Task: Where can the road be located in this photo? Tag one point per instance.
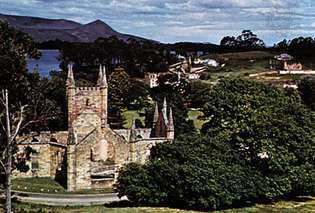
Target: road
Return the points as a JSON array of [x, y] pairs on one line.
[[67, 199]]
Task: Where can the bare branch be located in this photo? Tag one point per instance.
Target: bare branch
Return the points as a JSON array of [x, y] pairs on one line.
[[2, 125], [2, 165], [41, 119], [18, 126], [2, 101]]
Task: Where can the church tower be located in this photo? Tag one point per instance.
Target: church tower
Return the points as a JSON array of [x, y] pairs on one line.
[[87, 106], [87, 121]]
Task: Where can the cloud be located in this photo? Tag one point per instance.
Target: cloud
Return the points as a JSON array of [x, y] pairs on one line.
[[178, 20]]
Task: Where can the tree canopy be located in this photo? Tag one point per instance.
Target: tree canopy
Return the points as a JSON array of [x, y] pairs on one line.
[[246, 40], [258, 145], [307, 91]]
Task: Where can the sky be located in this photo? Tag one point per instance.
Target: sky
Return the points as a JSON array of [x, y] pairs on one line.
[[181, 20]]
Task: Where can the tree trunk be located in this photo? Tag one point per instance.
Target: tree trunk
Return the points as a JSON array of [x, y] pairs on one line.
[[8, 156], [8, 204]]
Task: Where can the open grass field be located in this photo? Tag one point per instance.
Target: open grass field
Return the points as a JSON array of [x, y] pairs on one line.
[[249, 55], [240, 64], [301, 205]]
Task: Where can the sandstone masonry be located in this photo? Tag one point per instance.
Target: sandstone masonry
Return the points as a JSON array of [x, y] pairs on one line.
[[90, 153]]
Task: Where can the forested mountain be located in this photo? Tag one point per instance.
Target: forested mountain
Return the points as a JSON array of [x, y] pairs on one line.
[[43, 29]]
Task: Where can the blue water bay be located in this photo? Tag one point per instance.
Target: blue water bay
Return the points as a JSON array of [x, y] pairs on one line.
[[47, 62]]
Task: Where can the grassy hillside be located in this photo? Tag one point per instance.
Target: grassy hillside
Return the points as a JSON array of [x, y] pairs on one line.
[[257, 55], [247, 64]]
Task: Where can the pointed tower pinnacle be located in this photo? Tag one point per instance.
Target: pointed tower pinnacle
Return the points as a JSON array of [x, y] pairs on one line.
[[70, 79], [104, 79], [100, 76], [170, 126], [164, 111], [156, 114], [170, 133]]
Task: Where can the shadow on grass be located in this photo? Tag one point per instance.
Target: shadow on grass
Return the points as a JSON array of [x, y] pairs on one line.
[[121, 204], [298, 199]]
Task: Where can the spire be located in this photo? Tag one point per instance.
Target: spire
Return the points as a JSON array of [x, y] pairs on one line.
[[164, 111], [156, 114], [100, 76], [170, 125], [170, 132], [104, 79], [70, 79]]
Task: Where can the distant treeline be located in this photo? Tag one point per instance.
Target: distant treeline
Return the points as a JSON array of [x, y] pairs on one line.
[[300, 47], [139, 56]]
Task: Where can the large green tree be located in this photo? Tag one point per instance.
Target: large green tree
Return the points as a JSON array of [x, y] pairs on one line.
[[258, 145], [15, 46], [24, 104], [198, 93], [119, 85], [273, 130]]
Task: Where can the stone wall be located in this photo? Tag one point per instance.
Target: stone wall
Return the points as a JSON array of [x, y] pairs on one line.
[[44, 162], [45, 137], [140, 150], [57, 160], [125, 133], [141, 133]]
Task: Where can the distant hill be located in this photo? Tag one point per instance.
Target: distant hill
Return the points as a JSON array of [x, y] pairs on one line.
[[43, 29]]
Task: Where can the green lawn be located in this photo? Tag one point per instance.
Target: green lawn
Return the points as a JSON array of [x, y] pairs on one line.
[[238, 68], [39, 184], [30, 208], [129, 116], [306, 204], [47, 185], [133, 114]]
